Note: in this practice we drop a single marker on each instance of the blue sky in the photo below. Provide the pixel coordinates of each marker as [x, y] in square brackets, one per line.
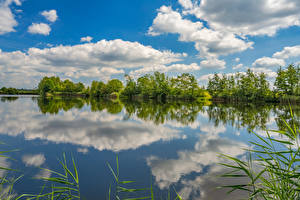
[98, 40]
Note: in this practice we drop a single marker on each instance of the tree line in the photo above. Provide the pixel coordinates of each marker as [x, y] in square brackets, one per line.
[247, 86]
[150, 86]
[251, 86]
[15, 91]
[251, 115]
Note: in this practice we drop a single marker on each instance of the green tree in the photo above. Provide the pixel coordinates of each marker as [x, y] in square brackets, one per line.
[47, 84]
[114, 85]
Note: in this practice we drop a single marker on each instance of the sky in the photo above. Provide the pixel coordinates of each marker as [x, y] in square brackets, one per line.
[100, 40]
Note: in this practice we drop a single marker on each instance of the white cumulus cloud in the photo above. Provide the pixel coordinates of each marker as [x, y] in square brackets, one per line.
[266, 62]
[260, 17]
[50, 15]
[100, 59]
[209, 42]
[213, 63]
[7, 18]
[181, 68]
[41, 28]
[288, 52]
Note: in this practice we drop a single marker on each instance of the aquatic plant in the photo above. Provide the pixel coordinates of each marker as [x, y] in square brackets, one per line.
[272, 168]
[64, 185]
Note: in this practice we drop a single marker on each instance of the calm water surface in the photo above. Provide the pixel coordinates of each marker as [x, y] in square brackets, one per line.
[170, 145]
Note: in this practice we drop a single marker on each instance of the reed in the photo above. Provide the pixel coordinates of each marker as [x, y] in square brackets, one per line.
[64, 185]
[272, 168]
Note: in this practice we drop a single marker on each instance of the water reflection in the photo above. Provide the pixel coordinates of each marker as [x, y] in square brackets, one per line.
[252, 116]
[238, 115]
[8, 98]
[175, 142]
[157, 112]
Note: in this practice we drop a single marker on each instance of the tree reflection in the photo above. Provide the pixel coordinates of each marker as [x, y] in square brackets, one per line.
[99, 104]
[238, 115]
[8, 99]
[252, 116]
[159, 113]
[54, 105]
[285, 112]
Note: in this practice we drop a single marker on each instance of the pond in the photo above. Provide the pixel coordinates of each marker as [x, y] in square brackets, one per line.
[171, 145]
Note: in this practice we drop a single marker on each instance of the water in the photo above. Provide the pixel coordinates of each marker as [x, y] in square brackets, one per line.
[174, 146]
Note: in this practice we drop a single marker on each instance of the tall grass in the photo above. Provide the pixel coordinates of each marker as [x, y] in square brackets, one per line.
[272, 169]
[61, 186]
[64, 185]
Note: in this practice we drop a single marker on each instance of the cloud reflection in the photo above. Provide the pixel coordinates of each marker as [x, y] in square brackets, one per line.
[35, 160]
[200, 163]
[99, 130]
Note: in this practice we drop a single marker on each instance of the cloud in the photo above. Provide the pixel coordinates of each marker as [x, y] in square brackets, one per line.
[104, 73]
[269, 73]
[207, 186]
[205, 77]
[187, 4]
[288, 52]
[181, 68]
[213, 63]
[278, 59]
[114, 53]
[50, 15]
[34, 160]
[209, 42]
[208, 128]
[83, 150]
[43, 174]
[41, 28]
[7, 18]
[238, 66]
[4, 162]
[242, 17]
[101, 131]
[196, 172]
[90, 59]
[267, 62]
[86, 39]
[203, 156]
[116, 136]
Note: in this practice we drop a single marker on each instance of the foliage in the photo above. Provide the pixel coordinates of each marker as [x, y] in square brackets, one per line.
[7, 183]
[159, 86]
[252, 86]
[54, 105]
[15, 91]
[62, 186]
[184, 112]
[100, 89]
[274, 172]
[65, 185]
[288, 81]
[55, 85]
[249, 86]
